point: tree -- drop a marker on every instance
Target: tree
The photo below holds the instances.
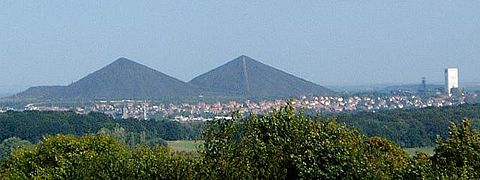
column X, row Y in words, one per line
column 161, row 163
column 385, row 159
column 68, row 157
column 96, row 157
column 282, row 145
column 459, row 155
column 289, row 145
column 10, row 144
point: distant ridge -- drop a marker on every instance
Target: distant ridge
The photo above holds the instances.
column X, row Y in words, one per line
column 42, row 92
column 126, row 79
column 414, row 88
column 121, row 79
column 247, row 77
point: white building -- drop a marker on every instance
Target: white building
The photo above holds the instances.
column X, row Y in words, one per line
column 451, row 80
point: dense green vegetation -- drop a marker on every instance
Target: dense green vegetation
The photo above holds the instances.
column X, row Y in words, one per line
column 94, row 157
column 282, row 145
column 33, row 125
column 408, row 128
column 412, row 127
column 10, row 144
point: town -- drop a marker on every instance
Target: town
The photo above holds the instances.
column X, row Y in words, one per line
column 420, row 97
column 202, row 111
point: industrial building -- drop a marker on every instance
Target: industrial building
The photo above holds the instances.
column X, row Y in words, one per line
column 451, row 80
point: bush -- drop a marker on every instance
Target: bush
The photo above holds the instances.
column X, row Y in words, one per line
column 68, row 157
column 95, row 157
column 281, row 145
column 285, row 145
column 459, row 155
column 10, row 144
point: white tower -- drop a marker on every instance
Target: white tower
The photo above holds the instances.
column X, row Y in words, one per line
column 451, row 80
column 145, row 111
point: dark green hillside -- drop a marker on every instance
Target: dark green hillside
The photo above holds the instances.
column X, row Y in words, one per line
column 413, row 127
column 33, row 125
column 248, row 77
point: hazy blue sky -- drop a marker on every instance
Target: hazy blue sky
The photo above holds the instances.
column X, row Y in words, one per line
column 340, row 42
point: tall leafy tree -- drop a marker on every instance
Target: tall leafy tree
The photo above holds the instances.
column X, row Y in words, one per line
column 459, row 155
column 289, row 145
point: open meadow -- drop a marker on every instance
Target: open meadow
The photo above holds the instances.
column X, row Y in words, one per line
column 185, row 145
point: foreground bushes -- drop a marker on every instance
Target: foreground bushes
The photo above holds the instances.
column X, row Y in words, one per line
column 95, row 157
column 283, row 145
column 286, row 145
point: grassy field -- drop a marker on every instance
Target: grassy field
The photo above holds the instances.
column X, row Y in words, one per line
column 426, row 150
column 188, row 146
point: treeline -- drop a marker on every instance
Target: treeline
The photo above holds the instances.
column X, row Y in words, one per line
column 408, row 128
column 33, row 125
column 411, row 127
column 281, row 145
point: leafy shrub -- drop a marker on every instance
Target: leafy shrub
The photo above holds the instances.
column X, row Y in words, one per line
column 459, row 155
column 286, row 145
column 281, row 145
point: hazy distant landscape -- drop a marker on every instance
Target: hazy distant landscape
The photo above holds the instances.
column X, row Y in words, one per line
column 5, row 94
column 126, row 79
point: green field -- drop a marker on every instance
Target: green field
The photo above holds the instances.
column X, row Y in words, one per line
column 188, row 146
column 426, row 150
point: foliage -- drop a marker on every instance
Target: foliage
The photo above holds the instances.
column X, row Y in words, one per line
column 408, row 128
column 10, row 144
column 459, row 155
column 161, row 163
column 286, row 145
column 95, row 157
column 133, row 139
column 281, row 145
column 385, row 159
column 68, row 157
column 411, row 127
column 421, row 167
column 33, row 125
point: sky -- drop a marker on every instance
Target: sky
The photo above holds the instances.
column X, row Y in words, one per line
column 332, row 43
